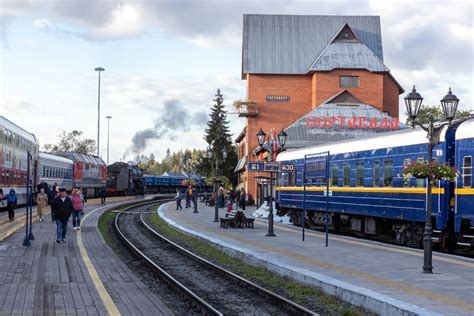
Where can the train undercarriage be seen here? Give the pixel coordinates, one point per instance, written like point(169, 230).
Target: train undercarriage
point(405, 233)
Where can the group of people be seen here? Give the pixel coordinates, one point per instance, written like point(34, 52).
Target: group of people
point(189, 195)
point(62, 206)
point(233, 200)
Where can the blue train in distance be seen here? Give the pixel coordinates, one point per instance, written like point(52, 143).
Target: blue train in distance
point(169, 183)
point(368, 195)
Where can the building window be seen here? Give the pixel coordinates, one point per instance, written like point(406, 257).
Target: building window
point(388, 173)
point(360, 174)
point(335, 175)
point(376, 173)
point(349, 81)
point(347, 175)
point(467, 171)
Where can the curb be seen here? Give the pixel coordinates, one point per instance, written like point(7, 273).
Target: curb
point(358, 296)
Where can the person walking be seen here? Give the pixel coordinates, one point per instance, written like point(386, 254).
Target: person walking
point(42, 201)
point(242, 198)
point(237, 196)
point(11, 204)
point(178, 198)
point(51, 196)
point(77, 205)
point(103, 195)
point(220, 197)
point(62, 208)
point(187, 198)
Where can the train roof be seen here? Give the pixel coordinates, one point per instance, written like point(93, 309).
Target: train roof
point(81, 157)
point(465, 130)
point(43, 155)
point(392, 139)
point(4, 122)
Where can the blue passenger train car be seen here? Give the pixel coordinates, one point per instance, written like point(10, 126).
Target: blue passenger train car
point(367, 193)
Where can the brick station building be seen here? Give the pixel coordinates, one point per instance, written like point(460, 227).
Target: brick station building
point(293, 64)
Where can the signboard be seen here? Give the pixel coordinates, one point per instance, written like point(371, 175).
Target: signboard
point(277, 98)
point(255, 166)
point(272, 166)
point(287, 167)
point(354, 122)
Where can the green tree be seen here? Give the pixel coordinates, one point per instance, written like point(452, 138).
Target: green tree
point(72, 141)
point(218, 137)
point(435, 111)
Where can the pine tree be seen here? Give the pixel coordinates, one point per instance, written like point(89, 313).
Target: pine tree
point(218, 136)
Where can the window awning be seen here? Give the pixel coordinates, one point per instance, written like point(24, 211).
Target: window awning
point(241, 165)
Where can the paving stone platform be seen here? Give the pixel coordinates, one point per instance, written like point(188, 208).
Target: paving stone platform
point(47, 278)
point(384, 278)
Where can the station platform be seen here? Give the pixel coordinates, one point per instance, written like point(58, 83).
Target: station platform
point(7, 228)
point(383, 278)
point(80, 277)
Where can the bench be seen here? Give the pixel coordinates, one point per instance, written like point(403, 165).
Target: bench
point(236, 219)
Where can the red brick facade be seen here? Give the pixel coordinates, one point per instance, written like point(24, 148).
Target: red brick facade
point(305, 92)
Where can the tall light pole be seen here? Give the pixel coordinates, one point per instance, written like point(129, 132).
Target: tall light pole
point(99, 69)
point(281, 141)
point(449, 104)
point(108, 117)
point(216, 189)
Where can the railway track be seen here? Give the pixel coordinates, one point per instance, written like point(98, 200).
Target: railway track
point(210, 289)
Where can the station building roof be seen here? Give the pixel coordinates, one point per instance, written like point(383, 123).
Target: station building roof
point(291, 44)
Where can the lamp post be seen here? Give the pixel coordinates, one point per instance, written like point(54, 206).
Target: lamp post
point(216, 189)
point(108, 135)
point(261, 135)
point(449, 104)
point(99, 69)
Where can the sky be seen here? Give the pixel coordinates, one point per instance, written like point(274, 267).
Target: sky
point(164, 61)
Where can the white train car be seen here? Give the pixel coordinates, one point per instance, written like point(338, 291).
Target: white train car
point(15, 143)
point(53, 169)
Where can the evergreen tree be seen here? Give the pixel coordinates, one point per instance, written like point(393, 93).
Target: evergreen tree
point(218, 137)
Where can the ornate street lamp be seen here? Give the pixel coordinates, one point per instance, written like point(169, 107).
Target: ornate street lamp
point(282, 138)
point(261, 135)
point(216, 189)
point(449, 104)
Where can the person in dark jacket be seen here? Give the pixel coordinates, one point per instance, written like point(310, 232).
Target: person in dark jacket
point(62, 209)
point(51, 196)
point(103, 195)
point(11, 204)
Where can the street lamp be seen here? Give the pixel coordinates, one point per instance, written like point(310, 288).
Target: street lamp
point(281, 141)
point(216, 189)
point(99, 69)
point(108, 135)
point(449, 104)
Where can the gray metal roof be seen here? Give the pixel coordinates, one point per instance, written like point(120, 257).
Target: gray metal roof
point(348, 55)
point(299, 135)
point(289, 44)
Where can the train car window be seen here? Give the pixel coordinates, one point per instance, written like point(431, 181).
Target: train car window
point(388, 173)
point(360, 174)
point(335, 175)
point(406, 162)
point(295, 175)
point(376, 173)
point(467, 171)
point(346, 170)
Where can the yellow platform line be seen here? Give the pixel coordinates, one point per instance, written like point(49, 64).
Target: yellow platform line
point(374, 246)
point(104, 295)
point(413, 290)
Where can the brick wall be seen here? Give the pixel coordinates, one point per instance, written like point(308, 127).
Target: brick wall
point(370, 90)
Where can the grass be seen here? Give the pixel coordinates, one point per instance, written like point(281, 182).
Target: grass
point(106, 221)
point(311, 297)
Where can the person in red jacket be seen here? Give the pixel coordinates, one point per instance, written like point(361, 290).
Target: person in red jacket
point(77, 205)
point(62, 208)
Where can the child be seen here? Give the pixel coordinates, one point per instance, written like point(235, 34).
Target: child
point(11, 204)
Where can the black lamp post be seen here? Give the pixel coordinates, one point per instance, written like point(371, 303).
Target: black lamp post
point(216, 189)
point(449, 105)
point(281, 141)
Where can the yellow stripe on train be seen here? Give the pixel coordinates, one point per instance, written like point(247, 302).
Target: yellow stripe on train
point(462, 191)
point(371, 190)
